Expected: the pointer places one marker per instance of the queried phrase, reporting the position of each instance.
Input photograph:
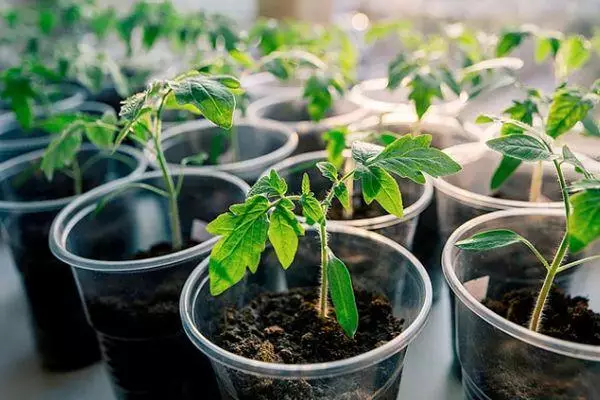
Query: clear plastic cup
(291, 109)
(375, 262)
(260, 144)
(263, 84)
(132, 302)
(14, 141)
(500, 359)
(415, 197)
(374, 95)
(28, 205)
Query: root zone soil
(286, 328)
(567, 318)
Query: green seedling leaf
(196, 159)
(408, 157)
(521, 147)
(271, 185)
(573, 53)
(58, 123)
(335, 140)
(570, 158)
(519, 111)
(342, 294)
(509, 41)
(488, 240)
(47, 21)
(591, 126)
(507, 167)
(424, 88)
(211, 97)
(398, 70)
(484, 119)
(305, 184)
(568, 107)
(328, 170)
(132, 106)
(284, 229)
(61, 152)
(584, 223)
(244, 234)
(341, 193)
(311, 209)
(389, 194)
(319, 97)
(546, 46)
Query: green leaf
(197, 159)
(335, 140)
(59, 122)
(521, 147)
(61, 152)
(244, 234)
(341, 193)
(519, 111)
(408, 157)
(570, 158)
(591, 126)
(484, 119)
(399, 69)
(546, 46)
(389, 194)
(568, 107)
(370, 182)
(305, 184)
(132, 106)
(328, 170)
(507, 167)
(584, 223)
(269, 185)
(573, 53)
(103, 21)
(509, 41)
(211, 97)
(284, 229)
(311, 209)
(342, 294)
(424, 88)
(488, 240)
(150, 34)
(102, 133)
(320, 100)
(47, 21)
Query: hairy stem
(540, 304)
(535, 189)
(174, 220)
(323, 304)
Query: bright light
(360, 21)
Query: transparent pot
(376, 263)
(263, 84)
(14, 141)
(291, 109)
(131, 287)
(28, 205)
(245, 151)
(374, 95)
(415, 198)
(503, 360)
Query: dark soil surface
(565, 317)
(148, 354)
(361, 210)
(512, 370)
(286, 328)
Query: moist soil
(567, 318)
(361, 210)
(286, 328)
(147, 352)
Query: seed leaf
(489, 240)
(244, 233)
(214, 99)
(342, 294)
(521, 147)
(284, 229)
(584, 223)
(568, 107)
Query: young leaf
(570, 158)
(335, 140)
(341, 193)
(342, 294)
(389, 194)
(244, 233)
(545, 46)
(484, 119)
(424, 87)
(284, 229)
(399, 69)
(585, 184)
(197, 159)
(521, 147)
(305, 184)
(311, 209)
(509, 41)
(591, 126)
(584, 223)
(408, 157)
(519, 111)
(61, 152)
(489, 240)
(507, 166)
(132, 106)
(573, 53)
(320, 100)
(328, 170)
(269, 185)
(211, 97)
(568, 107)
